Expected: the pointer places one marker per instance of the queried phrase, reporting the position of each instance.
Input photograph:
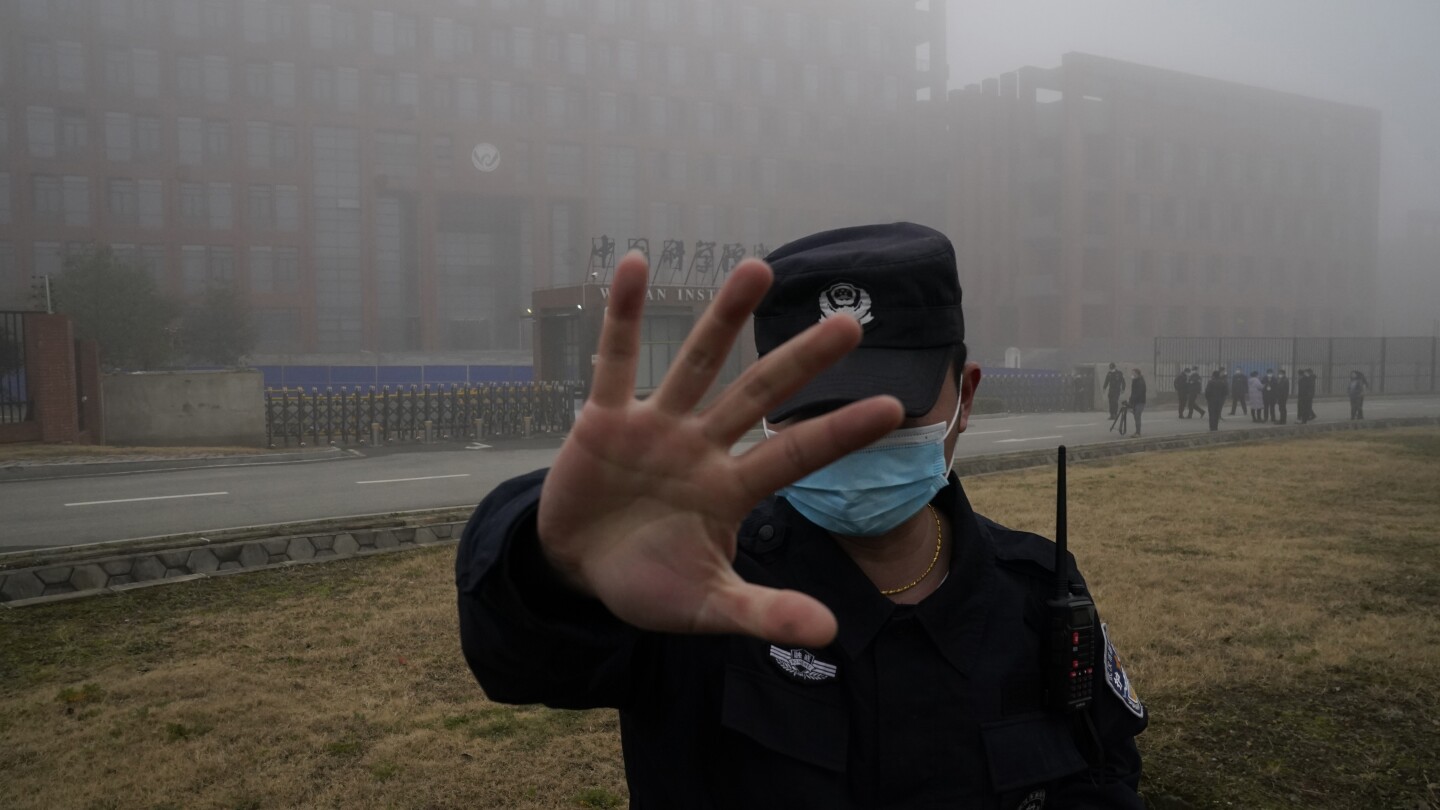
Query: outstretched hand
(643, 502)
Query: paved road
(144, 504)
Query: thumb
(782, 617)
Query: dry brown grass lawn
(1278, 604)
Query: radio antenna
(1062, 583)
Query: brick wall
(52, 361)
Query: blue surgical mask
(871, 491)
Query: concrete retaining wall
(124, 571)
(176, 408)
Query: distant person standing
(1305, 390)
(1114, 387)
(1137, 398)
(1357, 388)
(1215, 393)
(1282, 398)
(1238, 391)
(1267, 395)
(1256, 387)
(1195, 388)
(1182, 390)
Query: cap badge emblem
(846, 299)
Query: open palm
(643, 502)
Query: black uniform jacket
(924, 706)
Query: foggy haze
(1378, 55)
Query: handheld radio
(1073, 627)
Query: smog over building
(457, 178)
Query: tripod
(1121, 419)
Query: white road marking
(985, 432)
(1086, 424)
(152, 498)
(422, 478)
(1031, 439)
(478, 446)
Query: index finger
(619, 348)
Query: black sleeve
(1113, 784)
(527, 637)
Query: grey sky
(1375, 53)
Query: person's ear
(969, 381)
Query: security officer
(1182, 390)
(1282, 398)
(1238, 390)
(1215, 392)
(862, 638)
(1114, 387)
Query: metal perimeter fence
(417, 413)
(1393, 365)
(1028, 391)
(14, 395)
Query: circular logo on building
(485, 157)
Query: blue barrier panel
(274, 376)
(484, 374)
(399, 375)
(306, 376)
(453, 375)
(352, 375)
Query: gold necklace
(939, 539)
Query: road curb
(90, 469)
(46, 576)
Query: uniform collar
(953, 616)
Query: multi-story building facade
(387, 176)
(1098, 204)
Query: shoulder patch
(1115, 675)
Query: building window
(261, 212)
(40, 65)
(257, 81)
(347, 88)
(284, 147)
(47, 200)
(119, 137)
(192, 205)
(395, 153)
(217, 79)
(287, 208)
(40, 126)
(71, 67)
(190, 138)
(407, 92)
(189, 76)
(77, 200)
(118, 71)
(124, 202)
(467, 98)
(217, 142)
(220, 204)
(258, 144)
(74, 132)
(255, 21)
(444, 153)
(185, 14)
(282, 84)
(150, 204)
(147, 137)
(147, 73)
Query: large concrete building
(1099, 204)
(401, 177)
